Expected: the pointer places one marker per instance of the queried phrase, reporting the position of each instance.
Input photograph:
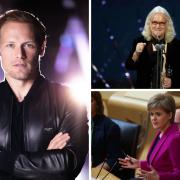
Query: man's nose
(20, 52)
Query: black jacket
(47, 109)
(145, 64)
(104, 141)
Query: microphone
(159, 45)
(110, 170)
(160, 48)
(158, 37)
(100, 169)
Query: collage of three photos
(89, 90)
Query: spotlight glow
(80, 91)
(127, 74)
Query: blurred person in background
(106, 147)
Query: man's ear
(43, 49)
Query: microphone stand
(158, 68)
(110, 170)
(100, 169)
(159, 47)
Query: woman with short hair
(163, 159)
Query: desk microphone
(100, 169)
(110, 170)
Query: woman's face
(93, 107)
(160, 119)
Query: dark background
(115, 23)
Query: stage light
(139, 20)
(79, 91)
(123, 65)
(111, 37)
(103, 2)
(74, 45)
(127, 74)
(140, 29)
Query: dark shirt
(153, 147)
(146, 65)
(17, 127)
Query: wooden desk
(95, 171)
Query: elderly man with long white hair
(154, 69)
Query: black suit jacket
(144, 65)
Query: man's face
(158, 25)
(18, 50)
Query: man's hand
(139, 49)
(59, 141)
